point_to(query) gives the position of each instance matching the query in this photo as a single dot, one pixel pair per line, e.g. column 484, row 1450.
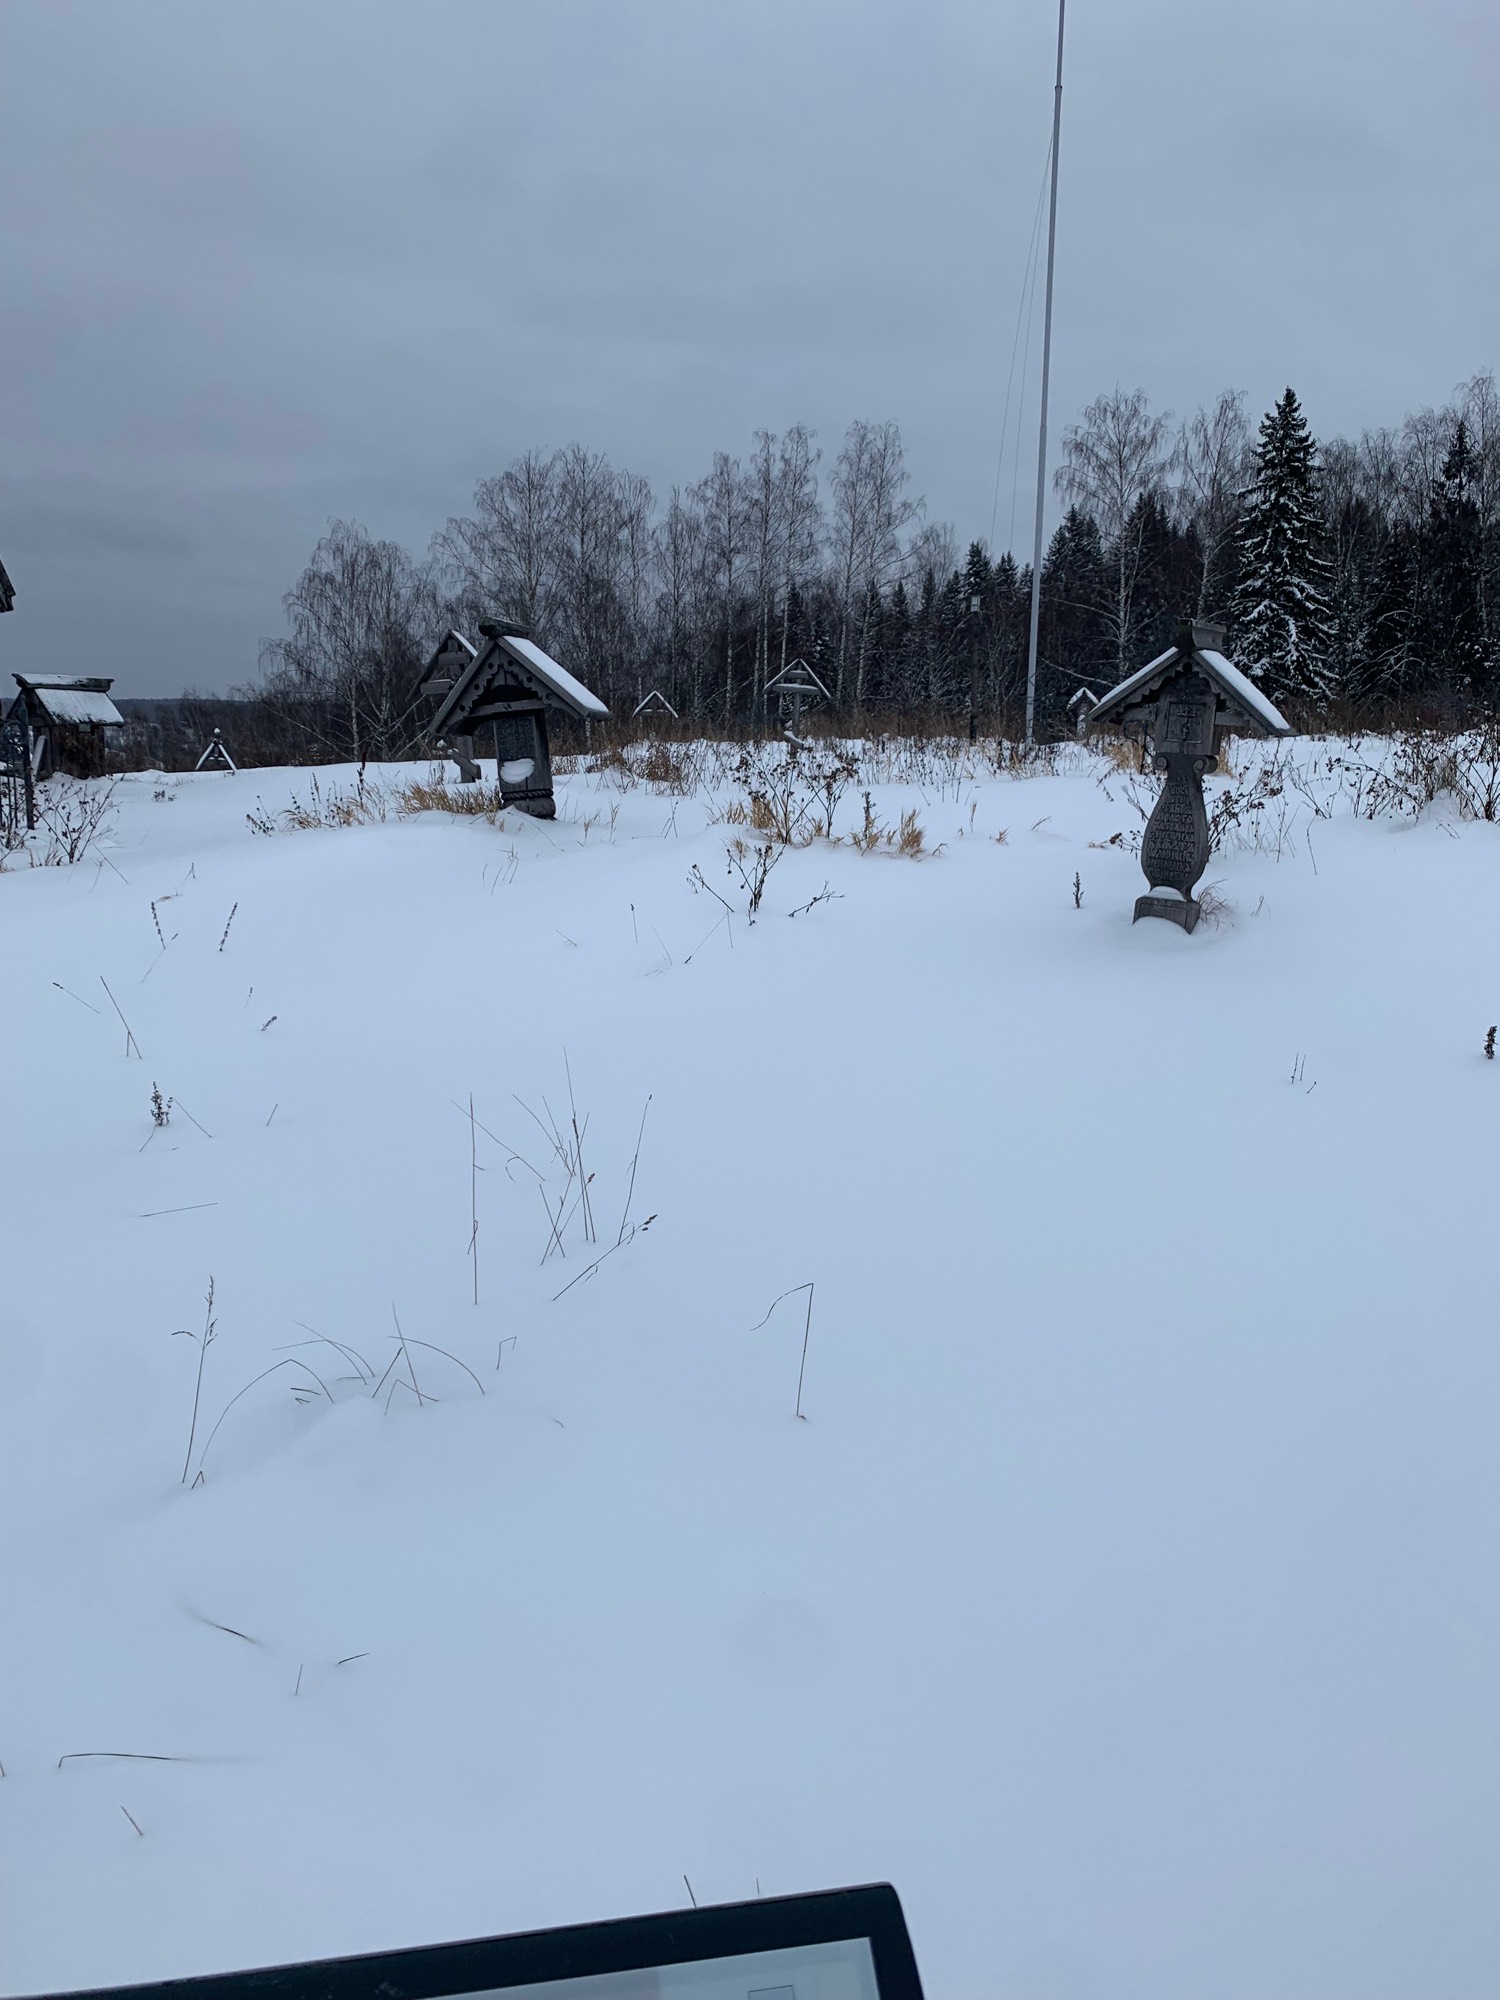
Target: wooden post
column 26, row 766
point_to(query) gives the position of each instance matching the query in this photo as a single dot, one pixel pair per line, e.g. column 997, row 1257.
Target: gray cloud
column 266, row 265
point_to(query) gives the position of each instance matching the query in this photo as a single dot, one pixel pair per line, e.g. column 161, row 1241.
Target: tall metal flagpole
column 1041, row 450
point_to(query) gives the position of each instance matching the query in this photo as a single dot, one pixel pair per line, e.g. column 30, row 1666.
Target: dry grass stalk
column 205, row 1341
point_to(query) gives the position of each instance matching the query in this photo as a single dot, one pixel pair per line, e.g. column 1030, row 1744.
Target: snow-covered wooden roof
column 797, row 677
column 508, row 656
column 66, row 699
column 570, row 692
column 1196, row 648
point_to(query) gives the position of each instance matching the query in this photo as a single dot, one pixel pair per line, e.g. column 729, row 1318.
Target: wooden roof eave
column 1134, row 701
column 500, row 660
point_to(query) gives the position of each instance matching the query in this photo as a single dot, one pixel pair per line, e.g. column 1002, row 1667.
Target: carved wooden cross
column 1186, row 701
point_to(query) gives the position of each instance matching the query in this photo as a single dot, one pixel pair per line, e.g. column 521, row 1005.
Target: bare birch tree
column 767, row 531
column 725, row 500
column 501, row 561
column 869, row 513
column 680, row 587
column 801, row 519
column 587, row 624
column 346, row 675
column 1211, row 462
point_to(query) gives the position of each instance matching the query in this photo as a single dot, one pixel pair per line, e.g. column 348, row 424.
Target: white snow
column 76, row 705
column 1127, row 1597
column 1254, row 699
column 1138, row 679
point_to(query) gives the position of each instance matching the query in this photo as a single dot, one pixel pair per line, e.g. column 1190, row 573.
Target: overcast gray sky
column 263, row 263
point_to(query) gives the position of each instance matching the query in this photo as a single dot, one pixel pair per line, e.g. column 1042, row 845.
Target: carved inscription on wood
column 1185, row 719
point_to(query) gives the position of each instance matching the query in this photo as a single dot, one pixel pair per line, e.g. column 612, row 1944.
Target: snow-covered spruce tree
column 1280, row 612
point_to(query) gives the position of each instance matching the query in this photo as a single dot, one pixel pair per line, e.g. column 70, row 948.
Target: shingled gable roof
column 1246, row 701
column 797, row 677
column 508, row 655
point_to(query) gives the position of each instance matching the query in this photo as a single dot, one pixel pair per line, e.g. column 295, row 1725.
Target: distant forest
column 1359, row 580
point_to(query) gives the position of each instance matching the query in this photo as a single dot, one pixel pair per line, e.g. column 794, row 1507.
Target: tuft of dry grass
column 435, row 794
column 365, row 805
column 664, row 771
column 874, row 837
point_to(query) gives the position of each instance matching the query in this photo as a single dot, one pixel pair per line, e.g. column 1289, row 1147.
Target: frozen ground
column 1129, row 1595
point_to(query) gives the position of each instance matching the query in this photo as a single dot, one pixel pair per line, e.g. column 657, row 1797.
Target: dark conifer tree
column 1450, row 636
column 1010, row 594
column 1388, row 671
column 796, row 624
column 925, row 639
column 1169, row 571
column 1075, row 644
column 1357, row 540
column 898, row 647
column 978, row 624
column 872, row 647
column 950, row 670
column 1281, row 622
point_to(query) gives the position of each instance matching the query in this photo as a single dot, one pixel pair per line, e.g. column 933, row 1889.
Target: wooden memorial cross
column 796, row 687
column 1186, row 701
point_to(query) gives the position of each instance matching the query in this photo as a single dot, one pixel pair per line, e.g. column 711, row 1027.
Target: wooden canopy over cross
column 1240, row 707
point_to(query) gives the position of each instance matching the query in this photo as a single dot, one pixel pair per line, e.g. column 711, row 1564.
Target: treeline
column 1360, row 576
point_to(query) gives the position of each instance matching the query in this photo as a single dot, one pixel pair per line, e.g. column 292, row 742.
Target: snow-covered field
column 1129, row 1595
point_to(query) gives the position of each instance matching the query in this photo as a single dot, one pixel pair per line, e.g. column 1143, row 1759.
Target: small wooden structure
column 17, row 791
column 796, row 687
column 67, row 716
column 1186, row 701
column 452, row 656
column 512, row 685
column 216, row 756
column 1080, row 707
column 655, row 703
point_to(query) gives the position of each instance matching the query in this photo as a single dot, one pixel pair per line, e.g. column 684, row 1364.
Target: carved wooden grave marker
column 510, row 683
column 1186, row 701
column 655, row 703
column 796, row 688
column 216, row 756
